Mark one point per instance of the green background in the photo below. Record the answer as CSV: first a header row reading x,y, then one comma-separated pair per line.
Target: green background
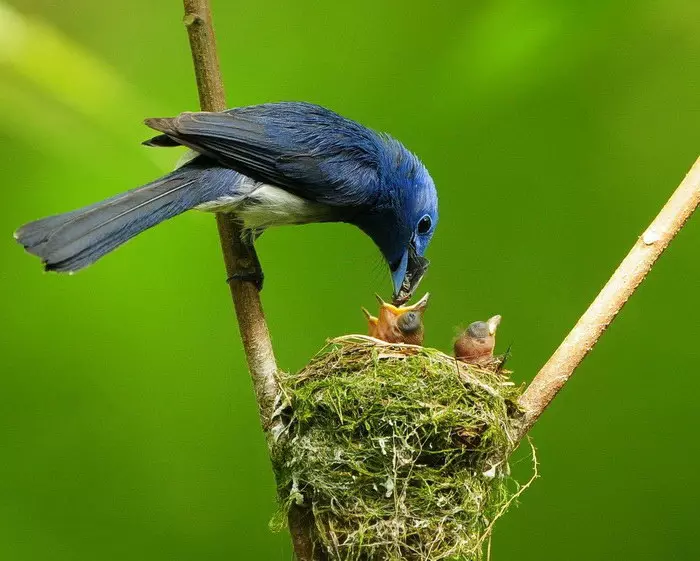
x,y
554,130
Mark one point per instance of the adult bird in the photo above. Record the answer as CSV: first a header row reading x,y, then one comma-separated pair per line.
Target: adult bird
x,y
270,165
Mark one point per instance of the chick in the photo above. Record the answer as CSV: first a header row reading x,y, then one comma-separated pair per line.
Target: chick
x,y
475,345
398,324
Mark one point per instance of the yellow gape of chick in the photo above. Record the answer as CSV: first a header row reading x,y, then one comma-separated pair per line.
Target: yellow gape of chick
x,y
398,324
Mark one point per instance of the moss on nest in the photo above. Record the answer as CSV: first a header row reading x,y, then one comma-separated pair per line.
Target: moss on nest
x,y
397,451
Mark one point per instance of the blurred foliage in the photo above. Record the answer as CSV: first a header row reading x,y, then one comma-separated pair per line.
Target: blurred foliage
x,y
554,131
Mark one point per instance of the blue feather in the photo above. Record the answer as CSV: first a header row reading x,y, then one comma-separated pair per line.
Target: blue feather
x,y
271,164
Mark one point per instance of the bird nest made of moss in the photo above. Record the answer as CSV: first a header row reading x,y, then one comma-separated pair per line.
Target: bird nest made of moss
x,y
398,451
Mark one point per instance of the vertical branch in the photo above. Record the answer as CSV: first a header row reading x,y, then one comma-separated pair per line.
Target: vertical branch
x,y
205,57
611,298
251,319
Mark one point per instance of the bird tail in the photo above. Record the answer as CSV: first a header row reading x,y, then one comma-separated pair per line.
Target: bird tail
x,y
68,242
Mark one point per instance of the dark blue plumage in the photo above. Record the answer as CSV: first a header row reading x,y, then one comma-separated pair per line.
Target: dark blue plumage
x,y
270,165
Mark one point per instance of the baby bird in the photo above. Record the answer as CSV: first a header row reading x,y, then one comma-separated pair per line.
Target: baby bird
x,y
475,345
402,324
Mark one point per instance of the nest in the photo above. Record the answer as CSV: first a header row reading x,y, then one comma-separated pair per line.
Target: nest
x,y
399,452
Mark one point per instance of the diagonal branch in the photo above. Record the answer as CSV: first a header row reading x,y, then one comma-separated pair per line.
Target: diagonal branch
x,y
609,302
251,319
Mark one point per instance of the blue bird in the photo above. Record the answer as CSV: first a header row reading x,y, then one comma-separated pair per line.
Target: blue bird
x,y
270,165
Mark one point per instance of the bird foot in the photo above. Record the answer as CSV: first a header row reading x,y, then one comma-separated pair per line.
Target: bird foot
x,y
247,265
254,275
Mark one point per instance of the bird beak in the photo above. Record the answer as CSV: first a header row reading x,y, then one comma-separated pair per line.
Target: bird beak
x,y
493,324
372,323
371,320
419,306
393,310
409,274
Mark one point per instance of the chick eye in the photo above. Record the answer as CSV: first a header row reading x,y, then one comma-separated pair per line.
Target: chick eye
x,y
424,225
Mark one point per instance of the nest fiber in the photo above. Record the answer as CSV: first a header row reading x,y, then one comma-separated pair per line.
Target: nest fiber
x,y
397,451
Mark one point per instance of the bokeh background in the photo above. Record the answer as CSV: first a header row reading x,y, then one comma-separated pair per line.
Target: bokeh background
x,y
555,130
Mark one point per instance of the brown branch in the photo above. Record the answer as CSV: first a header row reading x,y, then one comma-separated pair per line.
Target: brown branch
x,y
205,57
609,302
251,319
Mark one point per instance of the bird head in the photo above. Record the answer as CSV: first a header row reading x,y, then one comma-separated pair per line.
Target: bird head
x,y
476,343
398,324
403,218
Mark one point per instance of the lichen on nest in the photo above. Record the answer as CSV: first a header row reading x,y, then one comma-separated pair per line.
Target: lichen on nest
x,y
398,451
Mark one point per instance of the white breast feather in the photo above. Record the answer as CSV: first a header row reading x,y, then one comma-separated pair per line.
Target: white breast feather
x,y
263,206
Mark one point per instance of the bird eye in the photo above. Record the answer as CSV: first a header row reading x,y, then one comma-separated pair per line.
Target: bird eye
x,y
424,225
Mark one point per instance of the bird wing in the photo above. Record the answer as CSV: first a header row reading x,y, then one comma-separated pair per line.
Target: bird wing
x,y
304,148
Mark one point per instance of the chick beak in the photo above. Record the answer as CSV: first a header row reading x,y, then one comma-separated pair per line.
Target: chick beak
x,y
416,266
395,310
493,324
386,307
372,323
421,305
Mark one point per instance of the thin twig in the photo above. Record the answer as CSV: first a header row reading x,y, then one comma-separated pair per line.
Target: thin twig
x,y
251,319
615,293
